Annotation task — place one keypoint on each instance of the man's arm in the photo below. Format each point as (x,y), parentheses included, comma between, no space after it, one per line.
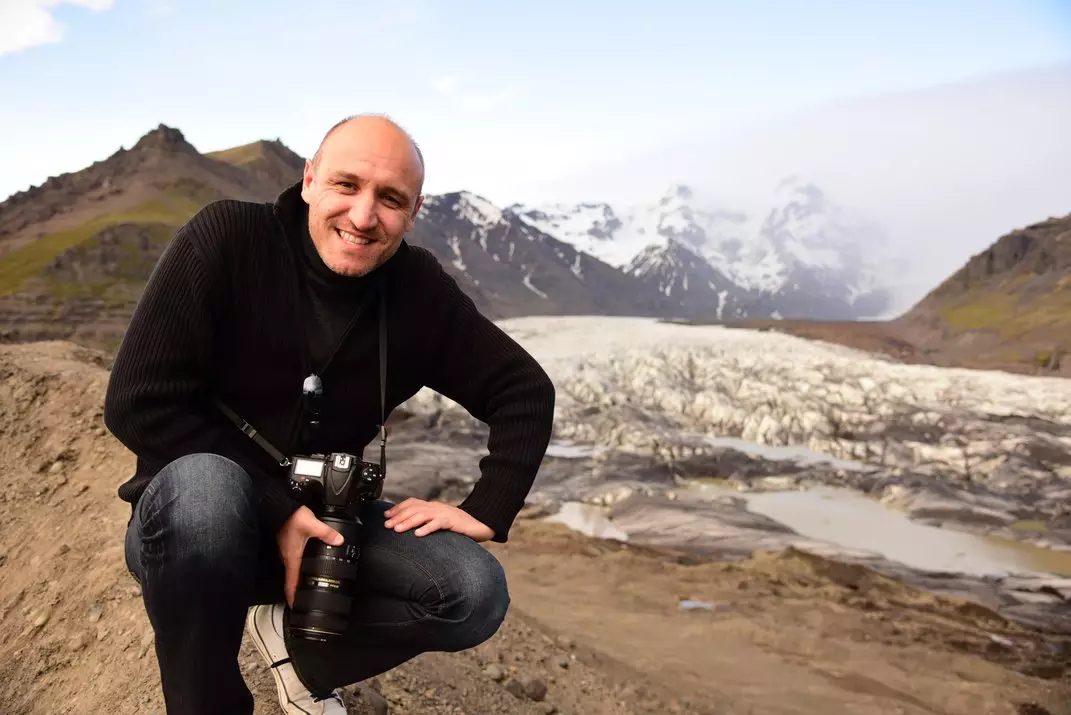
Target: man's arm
(480,367)
(157,402)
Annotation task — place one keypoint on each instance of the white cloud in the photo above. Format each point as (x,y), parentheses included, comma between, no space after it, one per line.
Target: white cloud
(29,23)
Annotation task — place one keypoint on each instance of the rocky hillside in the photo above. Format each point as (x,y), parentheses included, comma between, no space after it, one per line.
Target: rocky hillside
(1009,304)
(802,257)
(75,251)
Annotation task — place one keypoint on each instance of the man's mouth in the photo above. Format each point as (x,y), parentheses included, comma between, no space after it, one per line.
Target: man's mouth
(353,239)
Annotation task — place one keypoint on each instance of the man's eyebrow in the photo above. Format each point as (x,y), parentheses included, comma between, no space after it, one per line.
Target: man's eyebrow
(342,175)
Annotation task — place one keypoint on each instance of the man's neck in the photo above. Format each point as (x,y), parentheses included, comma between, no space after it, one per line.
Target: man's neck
(321,274)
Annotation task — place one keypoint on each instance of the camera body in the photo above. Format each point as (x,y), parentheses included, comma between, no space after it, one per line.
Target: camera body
(332,483)
(333,486)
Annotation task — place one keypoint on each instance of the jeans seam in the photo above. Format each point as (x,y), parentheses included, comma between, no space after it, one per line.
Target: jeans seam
(139,522)
(427,574)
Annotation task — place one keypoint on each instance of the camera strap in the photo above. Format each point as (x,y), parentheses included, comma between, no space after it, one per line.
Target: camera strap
(282,459)
(383,377)
(251,432)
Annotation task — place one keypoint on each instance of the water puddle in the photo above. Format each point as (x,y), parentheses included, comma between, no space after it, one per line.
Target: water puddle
(857,522)
(588,520)
(843,518)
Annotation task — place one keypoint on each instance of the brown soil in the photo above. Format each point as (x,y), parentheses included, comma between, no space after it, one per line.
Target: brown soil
(598,623)
(910,341)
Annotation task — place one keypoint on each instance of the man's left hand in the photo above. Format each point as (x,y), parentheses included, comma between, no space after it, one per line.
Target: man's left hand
(431,516)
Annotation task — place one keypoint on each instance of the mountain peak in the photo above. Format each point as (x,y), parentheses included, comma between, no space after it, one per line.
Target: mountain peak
(677,193)
(164,138)
(795,189)
(476,208)
(264,155)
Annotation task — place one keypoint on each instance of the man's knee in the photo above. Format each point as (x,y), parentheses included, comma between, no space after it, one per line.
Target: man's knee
(199,507)
(480,598)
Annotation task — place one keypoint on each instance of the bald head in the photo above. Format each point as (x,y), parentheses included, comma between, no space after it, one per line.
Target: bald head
(363,187)
(371,122)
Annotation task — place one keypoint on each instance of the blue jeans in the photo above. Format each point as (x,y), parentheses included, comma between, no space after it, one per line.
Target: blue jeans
(197,547)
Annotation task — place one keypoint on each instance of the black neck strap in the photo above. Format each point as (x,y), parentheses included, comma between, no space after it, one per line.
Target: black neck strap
(383,377)
(281,458)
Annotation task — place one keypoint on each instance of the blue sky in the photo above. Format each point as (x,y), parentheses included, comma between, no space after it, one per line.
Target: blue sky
(499,94)
(943,119)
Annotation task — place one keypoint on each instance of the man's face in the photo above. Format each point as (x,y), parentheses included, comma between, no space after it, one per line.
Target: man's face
(363,195)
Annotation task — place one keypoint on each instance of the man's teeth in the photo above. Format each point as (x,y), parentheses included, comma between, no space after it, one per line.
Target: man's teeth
(353,238)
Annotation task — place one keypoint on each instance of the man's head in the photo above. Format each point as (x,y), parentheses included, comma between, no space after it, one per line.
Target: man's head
(363,188)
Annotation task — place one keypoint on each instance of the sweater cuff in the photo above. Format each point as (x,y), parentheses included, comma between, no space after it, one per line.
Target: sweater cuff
(277,504)
(488,508)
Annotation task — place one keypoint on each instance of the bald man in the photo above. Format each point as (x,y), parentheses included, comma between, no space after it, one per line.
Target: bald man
(249,305)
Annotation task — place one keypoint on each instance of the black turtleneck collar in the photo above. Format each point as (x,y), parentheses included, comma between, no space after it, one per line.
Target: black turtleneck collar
(293,213)
(330,300)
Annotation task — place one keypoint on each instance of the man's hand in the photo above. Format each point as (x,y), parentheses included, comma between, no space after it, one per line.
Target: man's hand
(431,516)
(295,531)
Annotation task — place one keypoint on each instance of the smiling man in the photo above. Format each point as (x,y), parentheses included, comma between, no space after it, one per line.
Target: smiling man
(247,305)
(356,231)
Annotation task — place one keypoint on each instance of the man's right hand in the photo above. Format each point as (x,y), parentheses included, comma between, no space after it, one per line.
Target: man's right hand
(295,531)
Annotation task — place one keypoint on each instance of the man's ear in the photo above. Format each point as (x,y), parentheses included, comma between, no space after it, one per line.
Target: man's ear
(416,211)
(306,179)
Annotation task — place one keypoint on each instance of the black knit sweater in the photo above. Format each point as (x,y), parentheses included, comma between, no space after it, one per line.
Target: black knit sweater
(224,314)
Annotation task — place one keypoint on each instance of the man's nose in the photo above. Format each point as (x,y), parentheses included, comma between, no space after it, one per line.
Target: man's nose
(363,211)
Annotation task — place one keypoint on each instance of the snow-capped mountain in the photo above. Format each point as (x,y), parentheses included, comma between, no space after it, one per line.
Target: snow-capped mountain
(510,268)
(801,257)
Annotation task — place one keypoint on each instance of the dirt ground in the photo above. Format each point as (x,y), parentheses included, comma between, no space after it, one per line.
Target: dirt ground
(595,627)
(915,342)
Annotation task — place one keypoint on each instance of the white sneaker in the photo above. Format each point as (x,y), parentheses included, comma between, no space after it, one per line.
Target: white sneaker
(264,623)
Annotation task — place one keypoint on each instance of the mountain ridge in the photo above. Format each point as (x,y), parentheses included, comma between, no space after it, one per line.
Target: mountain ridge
(801,258)
(76,250)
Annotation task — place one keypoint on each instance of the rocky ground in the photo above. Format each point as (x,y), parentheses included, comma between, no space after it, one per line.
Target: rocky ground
(597,625)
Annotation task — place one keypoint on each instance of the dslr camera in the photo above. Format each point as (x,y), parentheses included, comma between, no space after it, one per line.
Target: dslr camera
(333,486)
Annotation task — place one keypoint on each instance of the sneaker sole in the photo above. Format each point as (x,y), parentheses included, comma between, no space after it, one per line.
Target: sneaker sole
(258,642)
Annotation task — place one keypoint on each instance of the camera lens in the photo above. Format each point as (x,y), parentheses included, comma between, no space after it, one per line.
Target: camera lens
(326,584)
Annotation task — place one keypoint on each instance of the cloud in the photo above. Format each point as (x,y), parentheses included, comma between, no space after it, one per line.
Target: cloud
(29,23)
(479,100)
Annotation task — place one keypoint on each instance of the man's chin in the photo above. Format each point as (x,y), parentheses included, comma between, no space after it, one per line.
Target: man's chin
(351,270)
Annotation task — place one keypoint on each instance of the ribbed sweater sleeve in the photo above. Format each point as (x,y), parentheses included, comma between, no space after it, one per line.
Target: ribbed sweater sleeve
(498,382)
(158,402)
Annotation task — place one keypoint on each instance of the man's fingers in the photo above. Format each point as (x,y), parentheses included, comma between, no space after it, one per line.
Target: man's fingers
(404,512)
(326,534)
(402,506)
(433,525)
(290,583)
(415,519)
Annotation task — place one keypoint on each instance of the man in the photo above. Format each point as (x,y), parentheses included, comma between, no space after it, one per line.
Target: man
(247,301)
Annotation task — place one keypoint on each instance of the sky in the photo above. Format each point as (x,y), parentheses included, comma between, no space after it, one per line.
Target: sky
(942,119)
